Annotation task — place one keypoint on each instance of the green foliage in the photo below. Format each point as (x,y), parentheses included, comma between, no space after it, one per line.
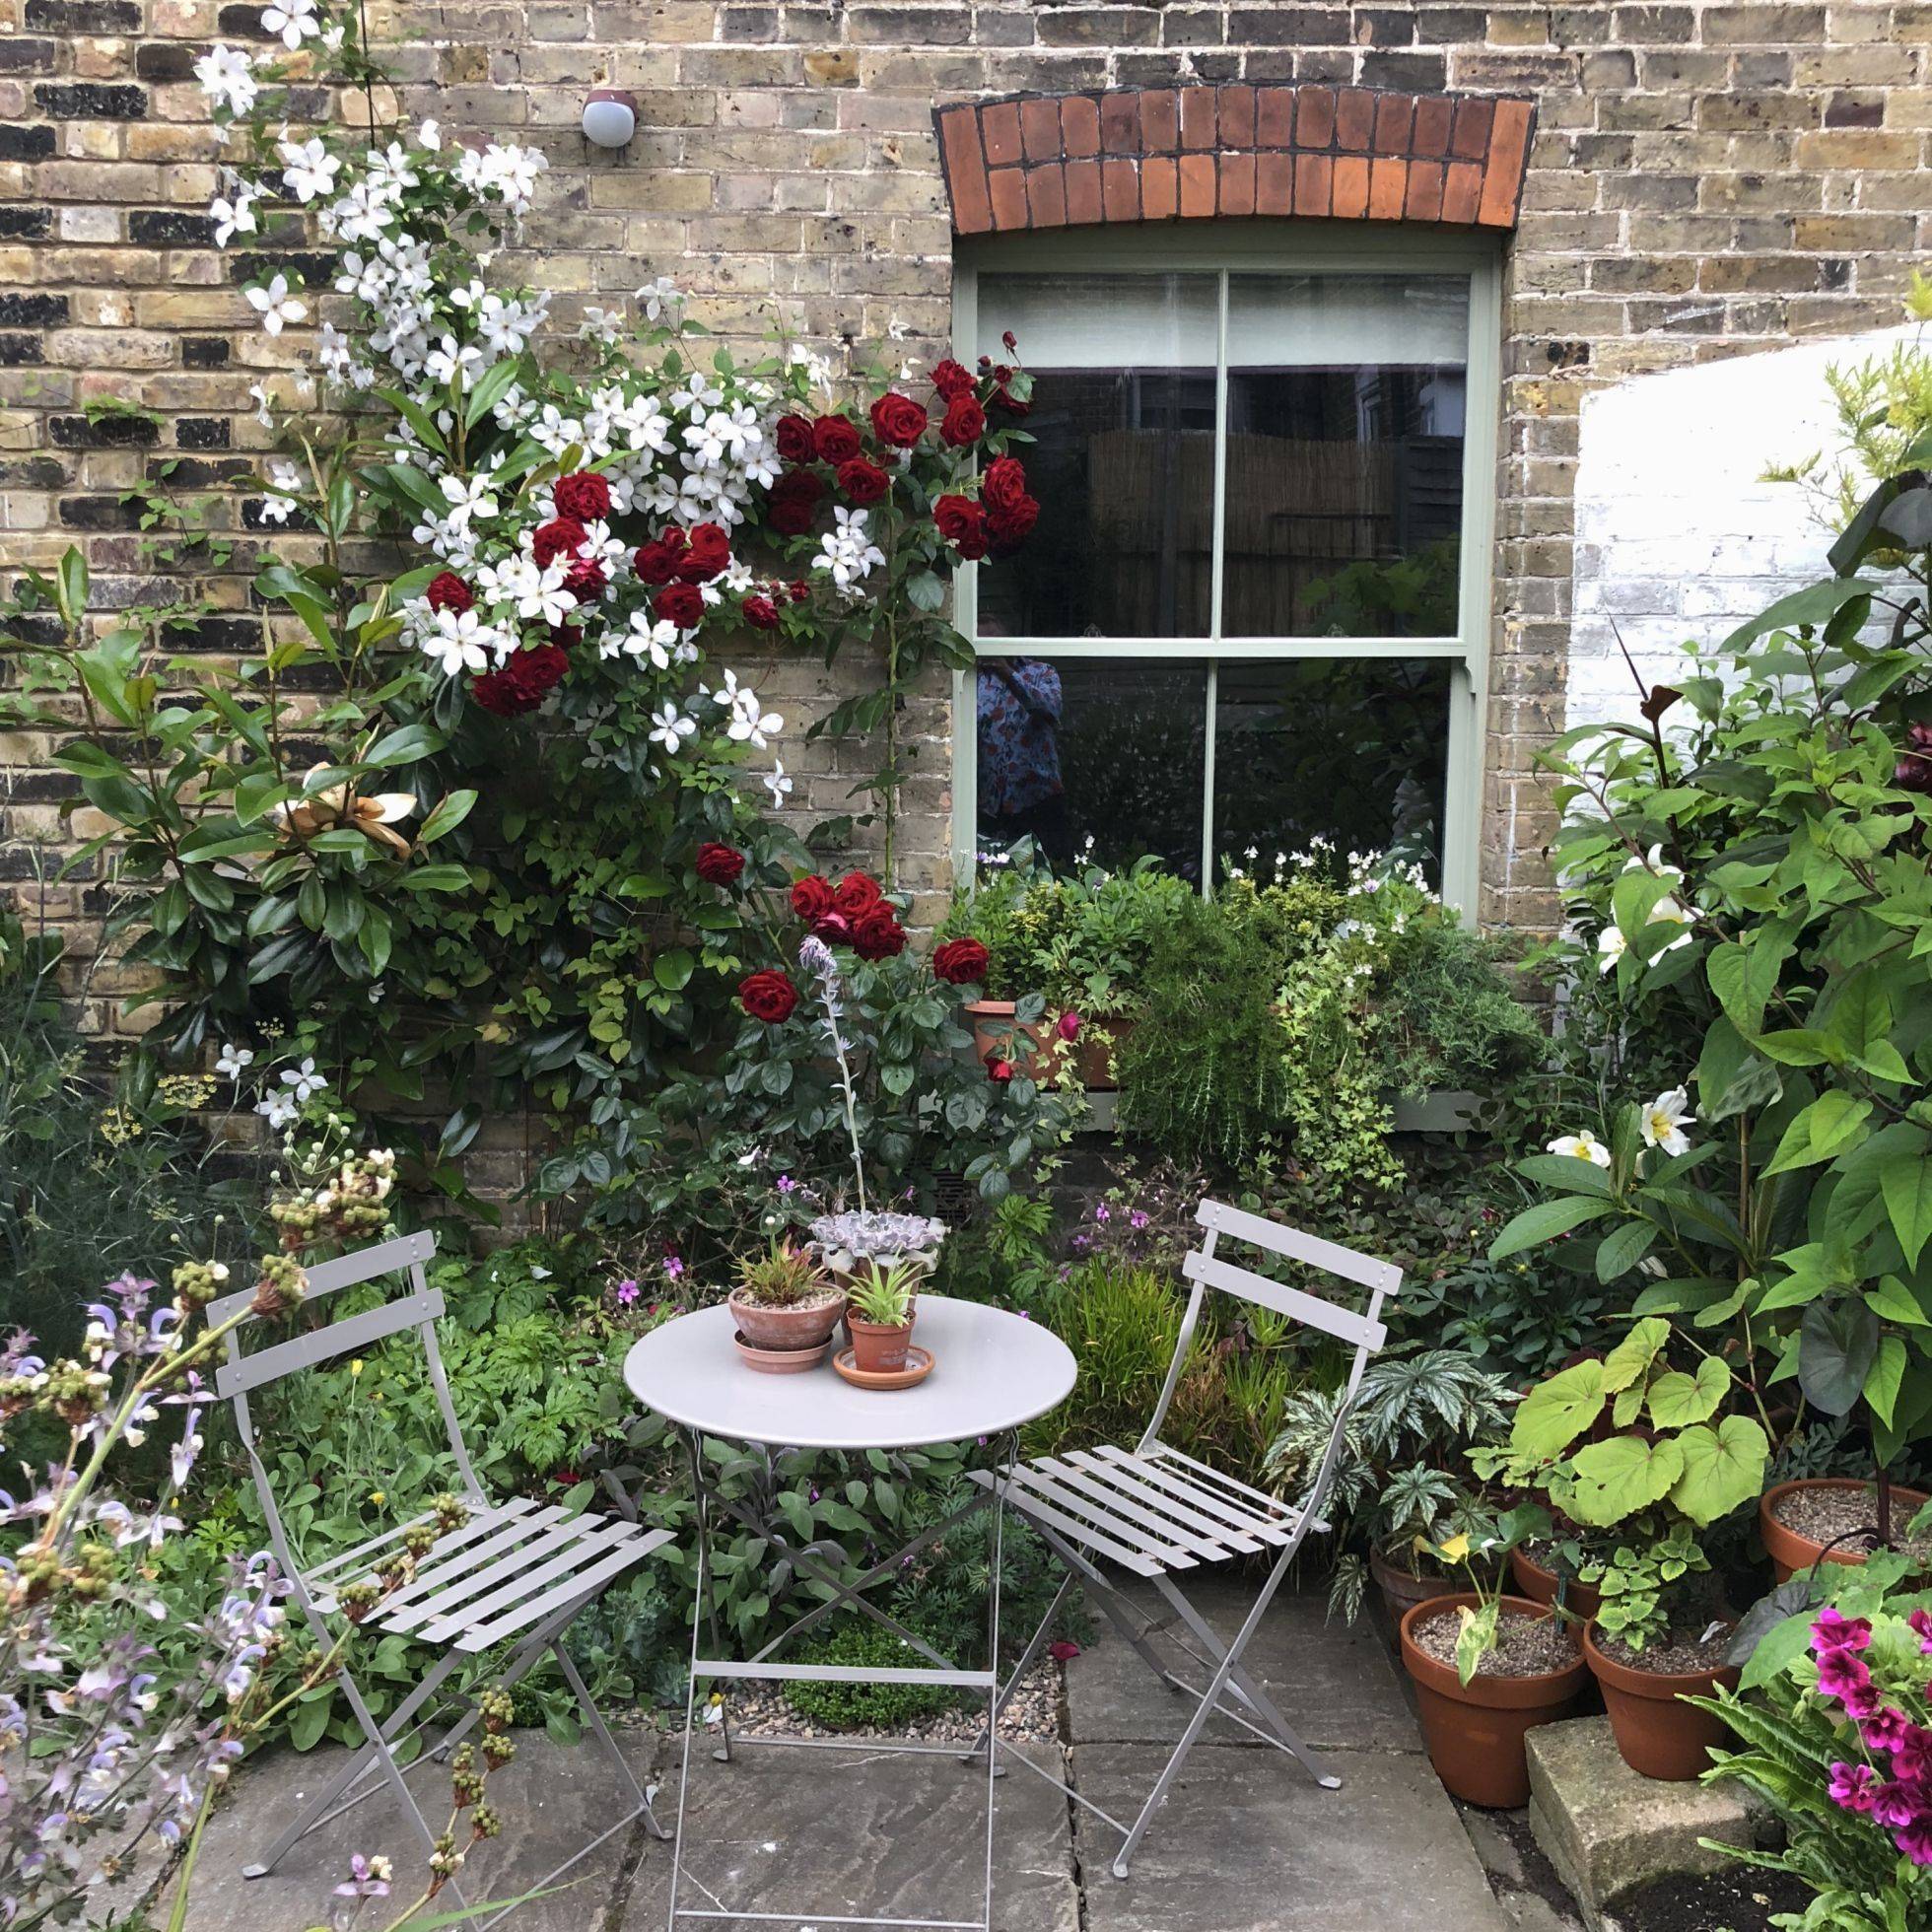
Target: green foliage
(857,1639)
(783,1277)
(1408,596)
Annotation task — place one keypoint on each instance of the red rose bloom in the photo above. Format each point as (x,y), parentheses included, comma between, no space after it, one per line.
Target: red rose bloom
(1005,399)
(878,934)
(657,561)
(898,420)
(584,496)
(682,604)
(562,536)
(997,1070)
(585,580)
(812,898)
(769,995)
(836,438)
(961,962)
(760,613)
(564,637)
(834,928)
(857,893)
(448,591)
(953,380)
(1012,526)
(521,685)
(708,551)
(962,522)
(801,591)
(794,501)
(862,481)
(964,423)
(1004,484)
(794,438)
(719,864)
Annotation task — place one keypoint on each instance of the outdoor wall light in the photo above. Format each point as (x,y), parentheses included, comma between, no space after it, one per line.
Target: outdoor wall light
(610,117)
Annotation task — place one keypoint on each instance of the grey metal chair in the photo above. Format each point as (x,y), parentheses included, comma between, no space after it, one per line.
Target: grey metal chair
(515,1573)
(1154,1511)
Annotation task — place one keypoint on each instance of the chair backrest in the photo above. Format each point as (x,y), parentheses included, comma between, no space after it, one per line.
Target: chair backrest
(419,1309)
(1205,1269)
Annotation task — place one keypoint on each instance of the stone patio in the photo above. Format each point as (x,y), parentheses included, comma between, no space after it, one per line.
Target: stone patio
(1246,1842)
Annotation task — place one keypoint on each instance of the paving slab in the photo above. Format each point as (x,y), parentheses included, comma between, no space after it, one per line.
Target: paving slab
(1335,1682)
(1609,1829)
(553,1798)
(1247,1842)
(862,1832)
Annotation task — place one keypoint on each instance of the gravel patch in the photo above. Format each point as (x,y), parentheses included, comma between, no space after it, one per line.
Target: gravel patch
(1526,1646)
(1824,1515)
(1031,1715)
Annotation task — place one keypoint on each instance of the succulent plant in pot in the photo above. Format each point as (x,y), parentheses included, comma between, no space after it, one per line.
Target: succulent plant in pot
(784,1304)
(859,1243)
(879,1314)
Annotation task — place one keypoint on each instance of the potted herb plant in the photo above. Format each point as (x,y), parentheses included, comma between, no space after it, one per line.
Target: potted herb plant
(879,1313)
(1631,1448)
(786,1306)
(1487,1670)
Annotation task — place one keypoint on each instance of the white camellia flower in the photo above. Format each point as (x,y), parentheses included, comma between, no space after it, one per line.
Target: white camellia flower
(309,170)
(1581,1146)
(671,727)
(275,305)
(294,21)
(226,76)
(1663,1121)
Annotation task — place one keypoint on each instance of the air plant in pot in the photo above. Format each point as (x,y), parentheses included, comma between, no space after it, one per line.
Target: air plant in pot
(786,1307)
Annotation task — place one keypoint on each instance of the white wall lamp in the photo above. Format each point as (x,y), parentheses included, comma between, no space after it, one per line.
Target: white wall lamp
(610,117)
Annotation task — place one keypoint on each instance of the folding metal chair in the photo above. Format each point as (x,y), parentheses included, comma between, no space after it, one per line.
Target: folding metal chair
(514,1572)
(1152,1510)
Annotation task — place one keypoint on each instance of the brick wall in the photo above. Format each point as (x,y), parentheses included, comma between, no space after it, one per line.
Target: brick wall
(1704,181)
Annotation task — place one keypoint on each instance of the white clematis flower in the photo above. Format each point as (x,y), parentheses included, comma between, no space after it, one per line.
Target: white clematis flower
(226,76)
(293,21)
(276,306)
(671,727)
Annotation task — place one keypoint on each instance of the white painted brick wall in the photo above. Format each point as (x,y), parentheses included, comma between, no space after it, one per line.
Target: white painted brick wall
(1677,536)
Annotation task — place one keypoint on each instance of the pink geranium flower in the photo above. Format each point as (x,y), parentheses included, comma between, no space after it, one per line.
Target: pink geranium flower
(1922,1624)
(1843,1675)
(1896,1805)
(1853,1786)
(1886,1731)
(1832,1630)
(1915,1841)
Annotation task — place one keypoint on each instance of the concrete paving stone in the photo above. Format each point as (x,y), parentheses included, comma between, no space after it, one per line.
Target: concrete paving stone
(1335,1682)
(1250,1844)
(1609,1829)
(553,1798)
(868,1832)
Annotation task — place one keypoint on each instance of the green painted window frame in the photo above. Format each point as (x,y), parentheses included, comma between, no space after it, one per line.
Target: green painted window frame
(1274,247)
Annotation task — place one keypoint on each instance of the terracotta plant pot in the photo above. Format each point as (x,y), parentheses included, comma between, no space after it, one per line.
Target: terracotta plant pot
(879,1347)
(1539,1586)
(1475,1733)
(1656,1735)
(993,1027)
(1401,1591)
(1790,1551)
(773,1328)
(1090,1054)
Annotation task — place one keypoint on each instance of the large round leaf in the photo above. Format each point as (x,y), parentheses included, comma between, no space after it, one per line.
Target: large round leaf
(1618,1477)
(1838,1342)
(1555,1413)
(1678,1400)
(1723,1468)
(1630,1361)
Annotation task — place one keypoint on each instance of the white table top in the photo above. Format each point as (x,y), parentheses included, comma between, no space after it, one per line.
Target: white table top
(990,1372)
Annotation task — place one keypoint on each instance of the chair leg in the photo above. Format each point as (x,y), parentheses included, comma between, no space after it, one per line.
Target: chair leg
(1019,1670)
(594,1717)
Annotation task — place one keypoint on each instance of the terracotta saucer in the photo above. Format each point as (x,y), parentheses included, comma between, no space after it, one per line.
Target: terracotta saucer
(919,1365)
(780,1361)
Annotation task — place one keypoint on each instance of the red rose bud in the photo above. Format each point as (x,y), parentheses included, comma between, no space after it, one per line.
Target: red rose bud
(1001,1071)
(964,423)
(448,591)
(812,897)
(800,590)
(961,962)
(862,481)
(1012,343)
(760,613)
(562,536)
(769,995)
(898,420)
(953,380)
(719,864)
(584,496)
(794,438)
(682,604)
(835,440)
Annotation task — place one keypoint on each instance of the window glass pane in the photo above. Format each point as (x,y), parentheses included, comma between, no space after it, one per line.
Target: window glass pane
(1122,460)
(1354,751)
(1346,406)
(1088,747)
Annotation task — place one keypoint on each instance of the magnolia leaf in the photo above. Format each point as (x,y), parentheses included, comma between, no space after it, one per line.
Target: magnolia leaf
(1678,1400)
(1723,1468)
(1630,1361)
(1837,1343)
(1745,975)
(1618,1477)
(1558,1410)
(1833,1123)
(1622,1248)
(1545,1221)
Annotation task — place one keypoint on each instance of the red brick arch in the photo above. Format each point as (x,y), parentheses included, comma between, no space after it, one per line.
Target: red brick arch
(1188,153)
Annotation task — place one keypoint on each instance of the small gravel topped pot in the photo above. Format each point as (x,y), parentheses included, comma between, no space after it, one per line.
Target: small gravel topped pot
(1657,1734)
(786,1306)
(1831,1506)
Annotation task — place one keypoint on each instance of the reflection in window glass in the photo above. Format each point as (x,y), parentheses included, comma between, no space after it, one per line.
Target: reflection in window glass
(1356,752)
(1079,749)
(1122,460)
(1346,397)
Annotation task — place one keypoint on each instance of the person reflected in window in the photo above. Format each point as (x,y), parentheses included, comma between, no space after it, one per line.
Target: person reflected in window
(1021,794)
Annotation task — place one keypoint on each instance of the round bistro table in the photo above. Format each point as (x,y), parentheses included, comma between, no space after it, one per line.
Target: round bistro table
(991,1371)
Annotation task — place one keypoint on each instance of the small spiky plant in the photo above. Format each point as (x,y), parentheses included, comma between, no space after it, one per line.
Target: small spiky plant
(786,1276)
